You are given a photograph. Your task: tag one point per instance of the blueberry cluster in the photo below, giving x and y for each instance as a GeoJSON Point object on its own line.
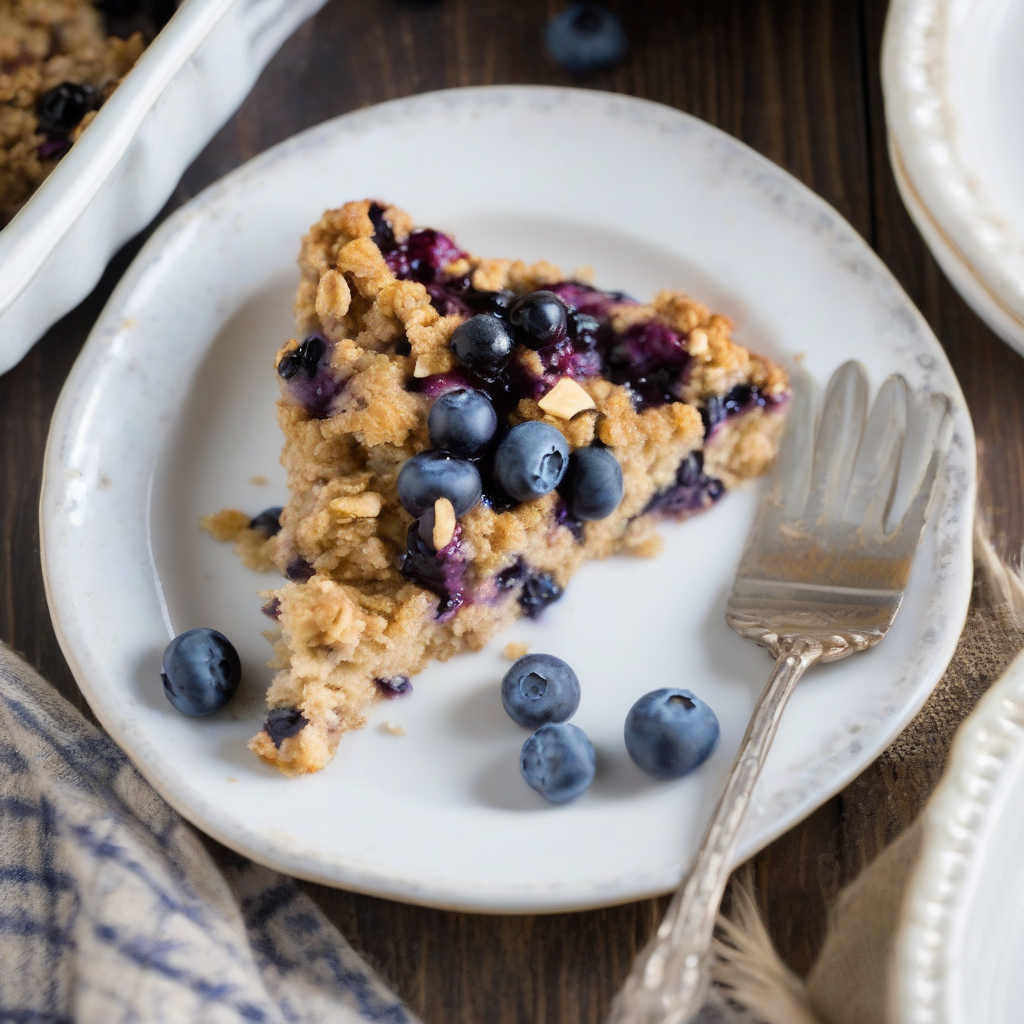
{"type": "Point", "coordinates": [542, 692]}
{"type": "Point", "coordinates": [474, 456]}
{"type": "Point", "coordinates": [668, 732]}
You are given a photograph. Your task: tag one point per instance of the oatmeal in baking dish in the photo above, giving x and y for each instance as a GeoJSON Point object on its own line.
{"type": "Point", "coordinates": [461, 434]}
{"type": "Point", "coordinates": [59, 61]}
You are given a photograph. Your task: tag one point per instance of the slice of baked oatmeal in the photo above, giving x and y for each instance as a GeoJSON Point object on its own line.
{"type": "Point", "coordinates": [461, 434]}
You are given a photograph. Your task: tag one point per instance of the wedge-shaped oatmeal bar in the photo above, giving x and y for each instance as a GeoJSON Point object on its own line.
{"type": "Point", "coordinates": [461, 434]}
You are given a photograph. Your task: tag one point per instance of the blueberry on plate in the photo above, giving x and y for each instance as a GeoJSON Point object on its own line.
{"type": "Point", "coordinates": [540, 688]}
{"type": "Point", "coordinates": [431, 475]}
{"type": "Point", "coordinates": [538, 319]}
{"type": "Point", "coordinates": [201, 671]}
{"type": "Point", "coordinates": [483, 344]}
{"type": "Point", "coordinates": [593, 483]}
{"type": "Point", "coordinates": [586, 38]}
{"type": "Point", "coordinates": [531, 460]}
{"type": "Point", "coordinates": [558, 761]}
{"type": "Point", "coordinates": [670, 732]}
{"type": "Point", "coordinates": [462, 422]}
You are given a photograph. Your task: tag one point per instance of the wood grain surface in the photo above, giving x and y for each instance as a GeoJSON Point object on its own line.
{"type": "Point", "coordinates": [799, 81]}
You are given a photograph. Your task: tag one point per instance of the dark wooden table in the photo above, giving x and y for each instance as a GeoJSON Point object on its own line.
{"type": "Point", "coordinates": [799, 81]}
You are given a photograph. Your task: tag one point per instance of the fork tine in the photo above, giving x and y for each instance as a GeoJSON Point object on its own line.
{"type": "Point", "coordinates": [842, 423]}
{"type": "Point", "coordinates": [874, 473]}
{"type": "Point", "coordinates": [791, 482]}
{"type": "Point", "coordinates": [928, 428]}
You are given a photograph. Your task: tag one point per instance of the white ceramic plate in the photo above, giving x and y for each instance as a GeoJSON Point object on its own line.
{"type": "Point", "coordinates": [967, 281]}
{"type": "Point", "coordinates": [169, 414]}
{"type": "Point", "coordinates": [120, 173]}
{"type": "Point", "coordinates": [954, 83]}
{"type": "Point", "coordinates": [961, 942]}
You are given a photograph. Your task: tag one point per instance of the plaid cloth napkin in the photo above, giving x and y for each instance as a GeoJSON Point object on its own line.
{"type": "Point", "coordinates": [112, 910]}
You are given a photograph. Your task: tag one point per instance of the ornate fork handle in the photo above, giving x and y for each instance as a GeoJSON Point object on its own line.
{"type": "Point", "coordinates": [669, 980]}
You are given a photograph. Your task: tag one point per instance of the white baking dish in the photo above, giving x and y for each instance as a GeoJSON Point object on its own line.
{"type": "Point", "coordinates": [120, 173]}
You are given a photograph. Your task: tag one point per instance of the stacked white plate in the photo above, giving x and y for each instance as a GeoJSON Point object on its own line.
{"type": "Point", "coordinates": [954, 99]}
{"type": "Point", "coordinates": [954, 103]}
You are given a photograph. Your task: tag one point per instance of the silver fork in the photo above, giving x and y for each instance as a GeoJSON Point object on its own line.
{"type": "Point", "coordinates": [822, 577]}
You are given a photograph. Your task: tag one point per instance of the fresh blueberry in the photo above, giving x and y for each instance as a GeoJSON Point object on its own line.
{"type": "Point", "coordinates": [538, 319]}
{"type": "Point", "coordinates": [558, 761]}
{"type": "Point", "coordinates": [268, 522]}
{"type": "Point", "coordinates": [593, 483]}
{"type": "Point", "coordinates": [201, 672]}
{"type": "Point", "coordinates": [281, 723]}
{"type": "Point", "coordinates": [62, 108]}
{"type": "Point", "coordinates": [431, 475]}
{"type": "Point", "coordinates": [540, 688]}
{"type": "Point", "coordinates": [586, 38]}
{"type": "Point", "coordinates": [462, 422]}
{"type": "Point", "coordinates": [531, 460]}
{"type": "Point", "coordinates": [483, 343]}
{"type": "Point", "coordinates": [670, 732]}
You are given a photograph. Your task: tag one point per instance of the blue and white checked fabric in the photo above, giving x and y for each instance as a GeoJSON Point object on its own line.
{"type": "Point", "coordinates": [113, 912]}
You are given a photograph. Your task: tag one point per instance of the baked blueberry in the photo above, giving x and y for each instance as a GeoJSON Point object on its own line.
{"type": "Point", "coordinates": [396, 686]}
{"type": "Point", "coordinates": [593, 483]}
{"type": "Point", "coordinates": [483, 343]}
{"type": "Point", "coordinates": [531, 460]}
{"type": "Point", "coordinates": [538, 319]}
{"type": "Point", "coordinates": [201, 671]}
{"type": "Point", "coordinates": [539, 590]}
{"type": "Point", "coordinates": [306, 357]}
{"type": "Point", "coordinates": [299, 570]}
{"type": "Point", "coordinates": [586, 38]}
{"type": "Point", "coordinates": [670, 732]}
{"type": "Point", "coordinates": [431, 475]}
{"type": "Point", "coordinates": [462, 422]}
{"type": "Point", "coordinates": [281, 723]}
{"type": "Point", "coordinates": [268, 522]}
{"type": "Point", "coordinates": [62, 108]}
{"type": "Point", "coordinates": [558, 761]}
{"type": "Point", "coordinates": [540, 688]}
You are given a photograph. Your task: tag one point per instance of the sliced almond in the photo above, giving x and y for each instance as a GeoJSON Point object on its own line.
{"type": "Point", "coordinates": [444, 523]}
{"type": "Point", "coordinates": [333, 296]}
{"type": "Point", "coordinates": [566, 399]}
{"type": "Point", "coordinates": [360, 506]}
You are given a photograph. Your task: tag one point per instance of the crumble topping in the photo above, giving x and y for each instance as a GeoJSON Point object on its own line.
{"type": "Point", "coordinates": [372, 594]}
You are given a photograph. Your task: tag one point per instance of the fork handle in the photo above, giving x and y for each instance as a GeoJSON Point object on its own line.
{"type": "Point", "coordinates": [669, 980]}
